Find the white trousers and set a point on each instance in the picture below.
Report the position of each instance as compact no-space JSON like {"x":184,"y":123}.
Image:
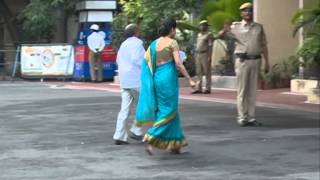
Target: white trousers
{"x":129,"y":100}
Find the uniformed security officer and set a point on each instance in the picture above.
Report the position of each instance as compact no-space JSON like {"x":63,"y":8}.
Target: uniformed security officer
{"x":250,"y":45}
{"x":96,"y":45}
{"x":203,"y":57}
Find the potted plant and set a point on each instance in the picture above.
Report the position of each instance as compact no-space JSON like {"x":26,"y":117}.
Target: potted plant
{"x":287,"y":69}
{"x":227,"y":66}
{"x":309,"y":20}
{"x":271,"y":79}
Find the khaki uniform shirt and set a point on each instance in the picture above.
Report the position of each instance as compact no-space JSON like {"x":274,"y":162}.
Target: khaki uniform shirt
{"x":251,"y":38}
{"x":204,"y":42}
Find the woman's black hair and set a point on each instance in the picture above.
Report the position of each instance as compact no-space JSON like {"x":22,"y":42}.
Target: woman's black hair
{"x":166,"y":26}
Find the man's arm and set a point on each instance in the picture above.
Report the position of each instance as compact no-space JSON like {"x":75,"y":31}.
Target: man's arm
{"x":139,"y":55}
{"x":228,"y":33}
{"x":226,"y":28}
{"x":265,"y":53}
{"x":102,"y":44}
{"x":210,"y":43}
{"x":90,"y":45}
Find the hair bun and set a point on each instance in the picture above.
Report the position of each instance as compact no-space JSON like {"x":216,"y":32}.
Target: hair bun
{"x":166,"y":26}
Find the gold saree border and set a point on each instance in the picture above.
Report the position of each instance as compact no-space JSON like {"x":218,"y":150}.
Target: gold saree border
{"x":165,"y":144}
{"x":159,"y":123}
{"x":147,"y":56}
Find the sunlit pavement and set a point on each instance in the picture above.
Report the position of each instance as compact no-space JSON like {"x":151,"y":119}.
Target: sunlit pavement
{"x":63,"y":130}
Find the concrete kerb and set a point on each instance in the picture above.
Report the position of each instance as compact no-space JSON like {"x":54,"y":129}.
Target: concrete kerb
{"x":115,"y":89}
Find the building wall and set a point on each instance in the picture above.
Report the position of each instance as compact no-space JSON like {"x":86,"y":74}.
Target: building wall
{"x":275,"y":15}
{"x":310,"y":3}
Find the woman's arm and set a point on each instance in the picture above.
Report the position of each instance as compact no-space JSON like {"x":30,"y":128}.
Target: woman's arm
{"x":181,"y":67}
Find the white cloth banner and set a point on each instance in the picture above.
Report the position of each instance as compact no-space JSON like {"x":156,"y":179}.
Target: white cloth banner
{"x":47,"y":60}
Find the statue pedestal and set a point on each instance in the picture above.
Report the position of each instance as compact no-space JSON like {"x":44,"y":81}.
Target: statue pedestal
{"x":302,"y":85}
{"x":314,"y":96}
{"x":308,"y":88}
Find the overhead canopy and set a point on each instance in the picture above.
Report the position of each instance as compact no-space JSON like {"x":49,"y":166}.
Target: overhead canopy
{"x":96,"y":5}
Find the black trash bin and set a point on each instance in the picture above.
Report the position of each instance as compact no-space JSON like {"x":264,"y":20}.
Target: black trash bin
{"x":1,"y":63}
{"x":1,"y":59}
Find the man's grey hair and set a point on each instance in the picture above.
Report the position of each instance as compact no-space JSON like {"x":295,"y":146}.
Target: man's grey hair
{"x":131,"y":30}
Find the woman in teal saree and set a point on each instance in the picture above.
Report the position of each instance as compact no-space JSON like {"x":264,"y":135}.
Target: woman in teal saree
{"x":159,"y":94}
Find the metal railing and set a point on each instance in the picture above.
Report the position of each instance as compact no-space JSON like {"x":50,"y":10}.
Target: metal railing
{"x":9,"y":61}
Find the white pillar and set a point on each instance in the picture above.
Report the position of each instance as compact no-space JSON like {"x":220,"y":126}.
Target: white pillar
{"x":300,"y":34}
{"x":255,"y":5}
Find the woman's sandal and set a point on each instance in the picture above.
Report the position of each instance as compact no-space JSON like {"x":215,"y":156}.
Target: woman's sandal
{"x":148,"y":149}
{"x":175,"y":151}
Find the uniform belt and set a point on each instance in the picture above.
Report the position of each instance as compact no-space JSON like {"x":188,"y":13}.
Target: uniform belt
{"x":245,"y":56}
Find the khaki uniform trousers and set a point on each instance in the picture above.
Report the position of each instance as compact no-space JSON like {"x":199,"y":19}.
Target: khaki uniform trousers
{"x":247,"y":78}
{"x":203,"y":68}
{"x":95,"y":60}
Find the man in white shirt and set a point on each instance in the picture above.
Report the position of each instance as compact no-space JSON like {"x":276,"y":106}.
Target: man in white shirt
{"x":96,"y":45}
{"x":129,"y":60}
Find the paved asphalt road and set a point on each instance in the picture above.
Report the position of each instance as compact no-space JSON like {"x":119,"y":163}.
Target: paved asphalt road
{"x":55,"y":133}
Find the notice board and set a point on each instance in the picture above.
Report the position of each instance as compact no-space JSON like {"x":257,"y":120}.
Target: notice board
{"x":47,"y":60}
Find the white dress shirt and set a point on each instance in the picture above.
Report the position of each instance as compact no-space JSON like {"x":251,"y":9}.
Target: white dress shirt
{"x":129,"y":59}
{"x":96,"y":42}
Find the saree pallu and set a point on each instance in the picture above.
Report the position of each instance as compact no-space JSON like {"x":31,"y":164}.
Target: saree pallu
{"x":158,"y":103}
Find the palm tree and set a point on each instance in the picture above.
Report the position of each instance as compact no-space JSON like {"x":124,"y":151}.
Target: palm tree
{"x":217,"y":12}
{"x":309,"y":20}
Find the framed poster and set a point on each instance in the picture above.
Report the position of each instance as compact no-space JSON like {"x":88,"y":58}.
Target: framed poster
{"x":47,"y":60}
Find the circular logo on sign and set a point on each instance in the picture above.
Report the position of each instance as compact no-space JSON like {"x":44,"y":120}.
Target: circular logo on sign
{"x":47,"y":58}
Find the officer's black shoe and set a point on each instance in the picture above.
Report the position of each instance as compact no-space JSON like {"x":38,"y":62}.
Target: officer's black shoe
{"x":254,"y":122}
{"x":119,"y":142}
{"x":206,"y":92}
{"x":242,"y":122}
{"x":196,"y":92}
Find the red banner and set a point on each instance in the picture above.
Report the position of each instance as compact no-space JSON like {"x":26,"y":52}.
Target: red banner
{"x":82,"y":54}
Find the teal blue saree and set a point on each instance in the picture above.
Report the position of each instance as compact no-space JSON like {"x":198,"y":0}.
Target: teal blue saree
{"x":158,"y":103}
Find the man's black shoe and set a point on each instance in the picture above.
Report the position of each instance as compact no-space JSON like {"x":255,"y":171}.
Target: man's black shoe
{"x":206,"y":92}
{"x":196,"y":92}
{"x":253,"y":122}
{"x":134,"y":136}
{"x":242,"y":122}
{"x":119,"y":142}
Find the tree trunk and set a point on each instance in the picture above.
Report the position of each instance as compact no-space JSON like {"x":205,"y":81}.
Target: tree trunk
{"x":9,"y":21}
